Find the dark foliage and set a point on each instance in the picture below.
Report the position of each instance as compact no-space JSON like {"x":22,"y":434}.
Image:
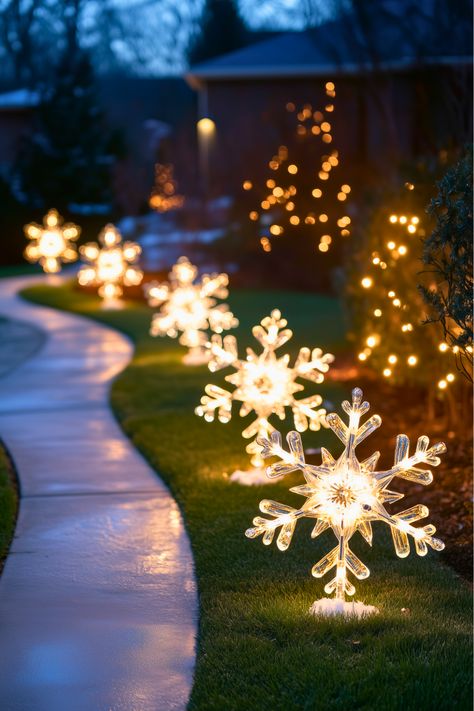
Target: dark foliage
{"x":69,"y":158}
{"x":448,"y":252}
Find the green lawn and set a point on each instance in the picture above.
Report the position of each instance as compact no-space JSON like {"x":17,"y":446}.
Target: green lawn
{"x":258,"y":649}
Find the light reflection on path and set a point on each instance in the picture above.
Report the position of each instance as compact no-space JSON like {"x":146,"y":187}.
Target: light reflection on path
{"x":98,"y":606}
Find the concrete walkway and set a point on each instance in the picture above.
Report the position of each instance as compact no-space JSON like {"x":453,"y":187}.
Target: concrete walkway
{"x":98,"y":606}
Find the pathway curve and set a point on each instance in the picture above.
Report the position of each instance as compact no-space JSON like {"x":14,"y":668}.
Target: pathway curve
{"x":98,"y":606}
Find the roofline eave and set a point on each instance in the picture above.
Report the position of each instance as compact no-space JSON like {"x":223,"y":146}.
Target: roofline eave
{"x":198,"y":78}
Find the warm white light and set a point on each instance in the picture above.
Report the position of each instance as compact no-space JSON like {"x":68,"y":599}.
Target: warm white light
{"x":442,"y":384}
{"x":392,"y":359}
{"x":443,"y":347}
{"x":265,"y":384}
{"x":412,"y":360}
{"x":112,"y":265}
{"x":450,"y":377}
{"x":190,"y":308}
{"x":347,"y":496}
{"x":51,"y":243}
{"x":206,"y":127}
{"x":367,"y":282}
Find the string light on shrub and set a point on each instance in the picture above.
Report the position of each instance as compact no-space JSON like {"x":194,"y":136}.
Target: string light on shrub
{"x":347,"y":496}
{"x":51,"y":243}
{"x":266,"y":385}
{"x":112,"y":264}
{"x":390,"y":281}
{"x":189,"y":308}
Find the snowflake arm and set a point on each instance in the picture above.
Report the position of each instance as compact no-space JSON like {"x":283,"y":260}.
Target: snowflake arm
{"x":312,"y":365}
{"x":223,"y":352}
{"x":216,"y":401}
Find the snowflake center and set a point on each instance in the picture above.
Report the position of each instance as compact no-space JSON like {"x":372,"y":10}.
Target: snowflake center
{"x":267,"y":383}
{"x":110,"y":265}
{"x":343,"y":495}
{"x":52,"y":243}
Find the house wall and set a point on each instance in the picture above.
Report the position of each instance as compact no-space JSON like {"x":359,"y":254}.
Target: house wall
{"x":378,"y":122}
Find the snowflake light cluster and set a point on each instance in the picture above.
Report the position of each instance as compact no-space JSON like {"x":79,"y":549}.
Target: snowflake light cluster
{"x":52,"y":242}
{"x":112,"y":266}
{"x":190,"y":308}
{"x":347,"y":496}
{"x":265,"y":383}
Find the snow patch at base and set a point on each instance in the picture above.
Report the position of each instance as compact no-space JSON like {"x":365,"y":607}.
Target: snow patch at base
{"x":251,"y":477}
{"x":329,"y":607}
{"x":112,"y":304}
{"x":196,"y":358}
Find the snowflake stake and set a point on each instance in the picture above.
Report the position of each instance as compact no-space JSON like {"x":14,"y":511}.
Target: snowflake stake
{"x":265,"y":384}
{"x":52,"y":242}
{"x":348,"y":496}
{"x":112,"y":266}
{"x":190,"y":308}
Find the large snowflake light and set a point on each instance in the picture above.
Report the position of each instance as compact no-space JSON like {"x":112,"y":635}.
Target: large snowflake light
{"x":190,"y":308}
{"x":112,"y":266}
{"x":52,"y":242}
{"x":265,"y":384}
{"x":348,"y":496}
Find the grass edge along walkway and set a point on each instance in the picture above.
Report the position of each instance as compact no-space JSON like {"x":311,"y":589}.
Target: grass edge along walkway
{"x":8,"y":503}
{"x":258,"y":648}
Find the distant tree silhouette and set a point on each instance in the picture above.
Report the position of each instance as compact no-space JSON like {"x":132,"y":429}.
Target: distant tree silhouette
{"x":68,"y":159}
{"x":222,"y":30}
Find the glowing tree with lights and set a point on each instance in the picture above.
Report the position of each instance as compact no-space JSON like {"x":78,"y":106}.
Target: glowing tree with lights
{"x":304,"y":195}
{"x":387,"y":308}
{"x":52,"y":242}
{"x":347,"y":496}
{"x":190,"y":308}
{"x":164,"y":196}
{"x":266,"y":385}
{"x":112,"y":264}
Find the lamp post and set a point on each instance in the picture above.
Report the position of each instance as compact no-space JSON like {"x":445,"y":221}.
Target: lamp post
{"x":206,"y":131}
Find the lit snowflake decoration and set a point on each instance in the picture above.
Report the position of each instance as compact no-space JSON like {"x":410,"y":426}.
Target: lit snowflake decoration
{"x":265,"y":384}
{"x":112,"y":266}
{"x":52,"y":242}
{"x":348,"y":496}
{"x":190,"y":308}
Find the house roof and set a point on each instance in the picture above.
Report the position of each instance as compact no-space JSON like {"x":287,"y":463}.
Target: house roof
{"x":341,"y":47}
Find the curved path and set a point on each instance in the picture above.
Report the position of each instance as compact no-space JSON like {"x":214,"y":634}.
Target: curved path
{"x":98,"y":606}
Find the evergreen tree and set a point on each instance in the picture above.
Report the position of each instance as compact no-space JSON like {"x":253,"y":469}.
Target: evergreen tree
{"x":222,"y":30}
{"x":69,"y":158}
